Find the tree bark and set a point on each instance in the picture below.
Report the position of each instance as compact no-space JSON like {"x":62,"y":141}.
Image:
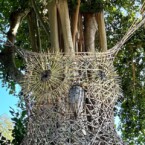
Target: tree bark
{"x":101,"y":31}
{"x":52,"y":9}
{"x":81,"y":35}
{"x":75,"y":22}
{"x":90,"y":26}
{"x":66,"y":29}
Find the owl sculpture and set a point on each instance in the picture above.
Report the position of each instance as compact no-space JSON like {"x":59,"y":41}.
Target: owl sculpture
{"x":74,"y":97}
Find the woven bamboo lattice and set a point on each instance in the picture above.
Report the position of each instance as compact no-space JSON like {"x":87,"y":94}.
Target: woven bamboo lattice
{"x":70,"y":100}
{"x":75,"y":101}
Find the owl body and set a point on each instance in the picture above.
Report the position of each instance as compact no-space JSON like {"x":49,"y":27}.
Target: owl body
{"x":82,"y":92}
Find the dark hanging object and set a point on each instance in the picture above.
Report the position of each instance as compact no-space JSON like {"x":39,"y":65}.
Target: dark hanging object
{"x":76,"y":99}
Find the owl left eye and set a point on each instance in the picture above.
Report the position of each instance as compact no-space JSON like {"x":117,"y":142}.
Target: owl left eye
{"x":45,"y":75}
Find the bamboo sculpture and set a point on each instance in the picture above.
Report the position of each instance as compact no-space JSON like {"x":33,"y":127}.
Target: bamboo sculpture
{"x":71,"y":99}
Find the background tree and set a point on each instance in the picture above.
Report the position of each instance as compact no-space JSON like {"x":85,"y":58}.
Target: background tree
{"x":38,"y":25}
{"x":6,"y":127}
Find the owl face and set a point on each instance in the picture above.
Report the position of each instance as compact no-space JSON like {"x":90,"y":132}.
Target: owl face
{"x":50,"y":76}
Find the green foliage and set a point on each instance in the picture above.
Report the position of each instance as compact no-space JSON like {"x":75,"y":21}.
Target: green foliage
{"x":91,"y":6}
{"x":22,"y":40}
{"x":20,"y":122}
{"x":130,"y":65}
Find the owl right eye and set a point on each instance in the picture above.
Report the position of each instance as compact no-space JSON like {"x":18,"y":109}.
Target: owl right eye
{"x":102,"y":75}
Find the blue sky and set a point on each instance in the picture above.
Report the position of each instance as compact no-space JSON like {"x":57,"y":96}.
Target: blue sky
{"x":7,"y":100}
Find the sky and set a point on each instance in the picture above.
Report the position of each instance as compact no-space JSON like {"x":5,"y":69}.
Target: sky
{"x":7,"y":100}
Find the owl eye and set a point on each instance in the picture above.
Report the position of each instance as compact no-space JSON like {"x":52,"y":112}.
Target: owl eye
{"x":102,"y":75}
{"x":45,"y":75}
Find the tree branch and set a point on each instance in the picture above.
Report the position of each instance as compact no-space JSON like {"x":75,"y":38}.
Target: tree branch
{"x":7,"y":58}
{"x":32,"y":23}
{"x":40,"y":17}
{"x":38,"y":36}
{"x":15,"y":20}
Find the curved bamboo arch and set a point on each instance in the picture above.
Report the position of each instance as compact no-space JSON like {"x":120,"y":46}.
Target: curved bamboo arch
{"x":135,"y":26}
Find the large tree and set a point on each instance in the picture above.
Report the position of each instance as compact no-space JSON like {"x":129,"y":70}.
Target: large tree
{"x":75,"y":26}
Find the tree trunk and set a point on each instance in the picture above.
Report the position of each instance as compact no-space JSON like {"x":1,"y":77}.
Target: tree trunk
{"x":75,"y":22}
{"x":52,"y":9}
{"x":81,"y":45}
{"x":65,"y":24}
{"x":90,"y":26}
{"x":101,"y":31}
